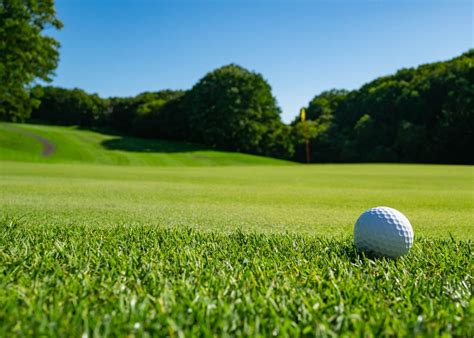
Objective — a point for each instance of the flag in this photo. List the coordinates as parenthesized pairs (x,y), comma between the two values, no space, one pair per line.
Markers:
(303,114)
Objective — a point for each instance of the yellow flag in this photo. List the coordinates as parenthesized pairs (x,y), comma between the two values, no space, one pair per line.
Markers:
(303,114)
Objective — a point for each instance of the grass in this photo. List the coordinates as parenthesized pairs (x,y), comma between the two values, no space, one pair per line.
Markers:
(169,244)
(148,281)
(319,200)
(74,145)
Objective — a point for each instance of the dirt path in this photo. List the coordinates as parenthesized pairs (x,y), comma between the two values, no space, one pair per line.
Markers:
(48,147)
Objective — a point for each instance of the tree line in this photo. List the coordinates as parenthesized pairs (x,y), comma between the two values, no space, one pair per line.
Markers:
(423,114)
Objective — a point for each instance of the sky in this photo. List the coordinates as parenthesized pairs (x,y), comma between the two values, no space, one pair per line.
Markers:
(125,47)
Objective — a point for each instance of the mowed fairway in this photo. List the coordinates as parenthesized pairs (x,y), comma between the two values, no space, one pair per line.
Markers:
(156,247)
(73,145)
(319,200)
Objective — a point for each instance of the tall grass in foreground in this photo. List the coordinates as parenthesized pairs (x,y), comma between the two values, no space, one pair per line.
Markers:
(147,281)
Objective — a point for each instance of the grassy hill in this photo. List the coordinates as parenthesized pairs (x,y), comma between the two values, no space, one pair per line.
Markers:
(26,142)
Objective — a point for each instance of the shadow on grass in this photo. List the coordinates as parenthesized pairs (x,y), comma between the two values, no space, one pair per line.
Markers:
(125,143)
(134,144)
(351,253)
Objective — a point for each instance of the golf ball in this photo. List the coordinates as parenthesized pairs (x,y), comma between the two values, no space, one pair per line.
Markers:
(383,231)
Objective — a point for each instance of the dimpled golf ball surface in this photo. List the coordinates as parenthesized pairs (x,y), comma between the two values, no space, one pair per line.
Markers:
(383,231)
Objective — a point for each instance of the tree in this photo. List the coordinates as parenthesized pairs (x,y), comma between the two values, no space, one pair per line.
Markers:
(232,108)
(25,53)
(149,114)
(304,132)
(123,112)
(325,104)
(70,107)
(157,115)
(320,130)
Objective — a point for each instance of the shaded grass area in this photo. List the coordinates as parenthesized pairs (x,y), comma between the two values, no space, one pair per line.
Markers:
(149,145)
(136,280)
(73,145)
(318,199)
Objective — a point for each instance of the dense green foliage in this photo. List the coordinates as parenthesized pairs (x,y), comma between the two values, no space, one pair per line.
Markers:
(26,54)
(18,143)
(142,280)
(425,114)
(70,107)
(147,114)
(320,199)
(232,108)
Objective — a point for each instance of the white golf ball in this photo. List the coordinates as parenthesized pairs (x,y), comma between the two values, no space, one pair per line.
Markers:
(383,231)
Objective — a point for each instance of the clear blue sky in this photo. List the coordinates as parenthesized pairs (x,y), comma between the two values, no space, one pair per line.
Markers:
(122,48)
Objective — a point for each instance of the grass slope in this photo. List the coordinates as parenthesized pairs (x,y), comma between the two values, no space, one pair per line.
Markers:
(317,199)
(145,281)
(84,146)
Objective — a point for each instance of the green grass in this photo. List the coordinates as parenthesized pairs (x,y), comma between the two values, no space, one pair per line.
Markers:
(74,145)
(319,199)
(148,281)
(172,244)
